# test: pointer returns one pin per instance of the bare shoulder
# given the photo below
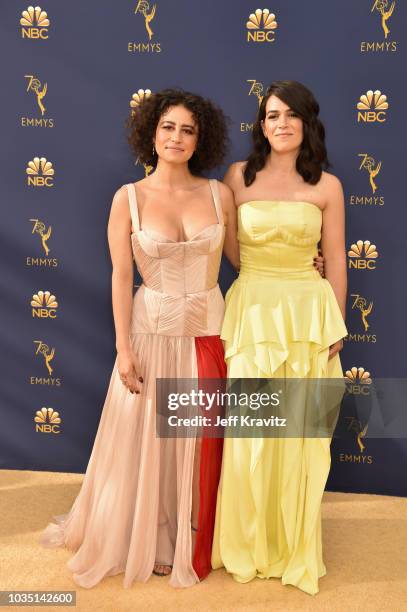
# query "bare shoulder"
(329, 182)
(120, 198)
(332, 191)
(120, 212)
(234, 175)
(226, 197)
(237, 167)
(224, 190)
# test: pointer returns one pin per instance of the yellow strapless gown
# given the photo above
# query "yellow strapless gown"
(281, 317)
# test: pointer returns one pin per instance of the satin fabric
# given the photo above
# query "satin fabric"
(281, 317)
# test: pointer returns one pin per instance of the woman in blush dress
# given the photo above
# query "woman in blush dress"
(147, 504)
(282, 321)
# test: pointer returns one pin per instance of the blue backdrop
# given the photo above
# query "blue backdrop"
(71, 71)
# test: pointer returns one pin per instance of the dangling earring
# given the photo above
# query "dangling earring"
(153, 150)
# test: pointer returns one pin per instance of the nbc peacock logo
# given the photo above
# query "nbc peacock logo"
(40, 172)
(34, 23)
(261, 26)
(138, 97)
(48, 421)
(44, 305)
(358, 381)
(372, 107)
(362, 255)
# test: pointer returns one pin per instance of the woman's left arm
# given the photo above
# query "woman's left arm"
(231, 244)
(333, 243)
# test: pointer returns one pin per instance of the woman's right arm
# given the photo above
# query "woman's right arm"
(228, 188)
(231, 244)
(118, 232)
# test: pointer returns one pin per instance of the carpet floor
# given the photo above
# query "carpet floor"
(365, 551)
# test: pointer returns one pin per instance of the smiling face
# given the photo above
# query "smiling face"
(176, 136)
(282, 127)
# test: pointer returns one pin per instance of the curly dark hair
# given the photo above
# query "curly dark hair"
(312, 158)
(213, 141)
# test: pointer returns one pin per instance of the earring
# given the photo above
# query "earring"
(153, 150)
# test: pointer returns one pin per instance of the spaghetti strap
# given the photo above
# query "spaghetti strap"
(131, 190)
(213, 183)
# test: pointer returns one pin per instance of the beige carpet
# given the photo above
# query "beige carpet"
(365, 550)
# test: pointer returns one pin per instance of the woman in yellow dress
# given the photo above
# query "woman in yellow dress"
(282, 321)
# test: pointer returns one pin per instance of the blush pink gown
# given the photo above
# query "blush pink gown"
(134, 506)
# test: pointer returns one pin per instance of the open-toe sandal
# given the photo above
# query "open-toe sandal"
(162, 573)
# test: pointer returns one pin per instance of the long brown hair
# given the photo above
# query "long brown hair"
(312, 158)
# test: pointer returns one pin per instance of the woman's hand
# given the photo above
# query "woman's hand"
(128, 367)
(319, 263)
(335, 348)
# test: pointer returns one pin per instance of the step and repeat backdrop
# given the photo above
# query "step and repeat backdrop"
(71, 75)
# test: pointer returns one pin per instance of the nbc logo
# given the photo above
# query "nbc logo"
(261, 26)
(44, 305)
(47, 420)
(372, 106)
(363, 255)
(34, 23)
(358, 375)
(40, 172)
(138, 97)
(357, 381)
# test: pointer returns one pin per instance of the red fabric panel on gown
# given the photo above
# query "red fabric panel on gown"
(211, 364)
